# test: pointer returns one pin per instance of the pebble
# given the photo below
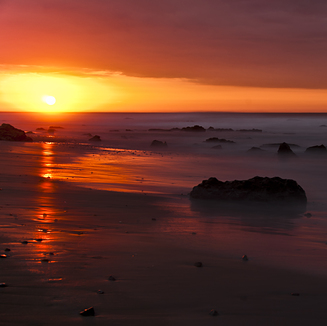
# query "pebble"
(213, 312)
(245, 258)
(198, 264)
(111, 278)
(87, 312)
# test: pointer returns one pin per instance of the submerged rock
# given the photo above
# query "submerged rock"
(8, 132)
(259, 189)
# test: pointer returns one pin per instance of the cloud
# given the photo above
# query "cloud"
(236, 42)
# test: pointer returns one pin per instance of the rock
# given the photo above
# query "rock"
(158, 143)
(111, 278)
(3, 285)
(40, 129)
(24, 242)
(87, 312)
(100, 292)
(95, 138)
(213, 312)
(7, 249)
(318, 149)
(195, 128)
(8, 132)
(250, 130)
(56, 127)
(308, 215)
(219, 140)
(285, 150)
(198, 264)
(257, 189)
(3, 256)
(245, 258)
(295, 294)
(51, 131)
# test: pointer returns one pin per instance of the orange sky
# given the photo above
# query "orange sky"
(182, 55)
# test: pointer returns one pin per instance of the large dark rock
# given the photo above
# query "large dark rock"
(260, 189)
(8, 132)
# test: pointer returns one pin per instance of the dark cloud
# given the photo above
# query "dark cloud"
(236, 42)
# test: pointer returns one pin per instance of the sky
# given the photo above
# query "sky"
(168, 55)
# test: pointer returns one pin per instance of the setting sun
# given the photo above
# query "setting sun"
(50, 100)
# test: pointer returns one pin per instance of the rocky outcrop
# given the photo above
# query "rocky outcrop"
(8, 132)
(285, 150)
(318, 149)
(259, 189)
(195, 128)
(158, 143)
(219, 140)
(95, 138)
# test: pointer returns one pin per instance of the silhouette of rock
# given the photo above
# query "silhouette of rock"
(250, 130)
(213, 312)
(51, 131)
(285, 150)
(3, 285)
(40, 129)
(87, 312)
(318, 149)
(95, 138)
(245, 258)
(158, 143)
(219, 140)
(56, 127)
(198, 264)
(260, 189)
(195, 128)
(111, 278)
(8, 132)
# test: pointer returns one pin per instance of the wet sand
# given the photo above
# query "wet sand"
(78, 237)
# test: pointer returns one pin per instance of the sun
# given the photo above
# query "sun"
(51, 100)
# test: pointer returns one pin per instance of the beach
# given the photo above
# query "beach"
(74, 213)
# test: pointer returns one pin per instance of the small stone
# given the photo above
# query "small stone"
(198, 264)
(245, 258)
(308, 215)
(3, 256)
(295, 294)
(213, 312)
(7, 249)
(111, 278)
(87, 312)
(3, 285)
(100, 292)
